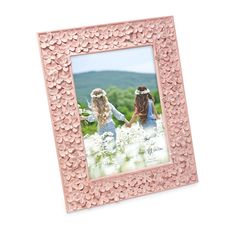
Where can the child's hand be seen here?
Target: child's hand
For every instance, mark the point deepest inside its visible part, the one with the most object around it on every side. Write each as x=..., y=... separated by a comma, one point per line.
x=82, y=117
x=128, y=125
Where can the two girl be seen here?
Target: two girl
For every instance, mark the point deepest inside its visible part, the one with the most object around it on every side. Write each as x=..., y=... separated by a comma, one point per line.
x=102, y=111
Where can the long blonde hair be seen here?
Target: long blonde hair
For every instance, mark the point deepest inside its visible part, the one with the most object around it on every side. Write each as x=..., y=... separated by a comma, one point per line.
x=100, y=105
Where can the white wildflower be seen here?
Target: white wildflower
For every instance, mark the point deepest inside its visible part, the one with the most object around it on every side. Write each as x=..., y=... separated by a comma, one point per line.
x=133, y=149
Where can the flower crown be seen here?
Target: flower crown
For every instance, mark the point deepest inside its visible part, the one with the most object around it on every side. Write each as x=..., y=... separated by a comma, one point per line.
x=102, y=94
x=138, y=92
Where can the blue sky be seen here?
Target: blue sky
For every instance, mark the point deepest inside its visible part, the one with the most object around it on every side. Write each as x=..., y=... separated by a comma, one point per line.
x=139, y=59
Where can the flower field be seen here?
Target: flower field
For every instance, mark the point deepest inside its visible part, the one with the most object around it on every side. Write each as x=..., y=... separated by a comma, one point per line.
x=133, y=149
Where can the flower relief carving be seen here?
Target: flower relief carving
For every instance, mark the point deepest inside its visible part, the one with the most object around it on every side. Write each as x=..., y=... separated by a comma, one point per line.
x=56, y=49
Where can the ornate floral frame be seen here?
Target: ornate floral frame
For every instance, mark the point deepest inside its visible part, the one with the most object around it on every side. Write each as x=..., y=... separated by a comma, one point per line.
x=56, y=48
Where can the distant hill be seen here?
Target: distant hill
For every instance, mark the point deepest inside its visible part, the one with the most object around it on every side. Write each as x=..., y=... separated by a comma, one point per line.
x=87, y=81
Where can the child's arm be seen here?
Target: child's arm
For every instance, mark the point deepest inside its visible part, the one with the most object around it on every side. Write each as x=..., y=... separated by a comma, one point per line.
x=155, y=112
x=117, y=114
x=133, y=119
x=90, y=118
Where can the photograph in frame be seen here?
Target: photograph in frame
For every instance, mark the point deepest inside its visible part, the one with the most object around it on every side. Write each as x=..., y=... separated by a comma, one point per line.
x=118, y=110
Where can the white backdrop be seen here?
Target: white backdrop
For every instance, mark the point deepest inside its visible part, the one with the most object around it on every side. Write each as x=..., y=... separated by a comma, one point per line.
x=31, y=198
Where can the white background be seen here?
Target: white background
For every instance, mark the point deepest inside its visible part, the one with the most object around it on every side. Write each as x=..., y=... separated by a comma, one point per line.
x=31, y=198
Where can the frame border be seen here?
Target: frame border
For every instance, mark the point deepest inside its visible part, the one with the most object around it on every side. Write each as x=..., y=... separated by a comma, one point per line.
x=56, y=48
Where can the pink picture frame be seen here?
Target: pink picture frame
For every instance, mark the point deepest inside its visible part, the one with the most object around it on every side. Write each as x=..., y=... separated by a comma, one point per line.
x=56, y=49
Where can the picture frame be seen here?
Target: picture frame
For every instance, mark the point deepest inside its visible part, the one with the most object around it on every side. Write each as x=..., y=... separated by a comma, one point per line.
x=56, y=49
